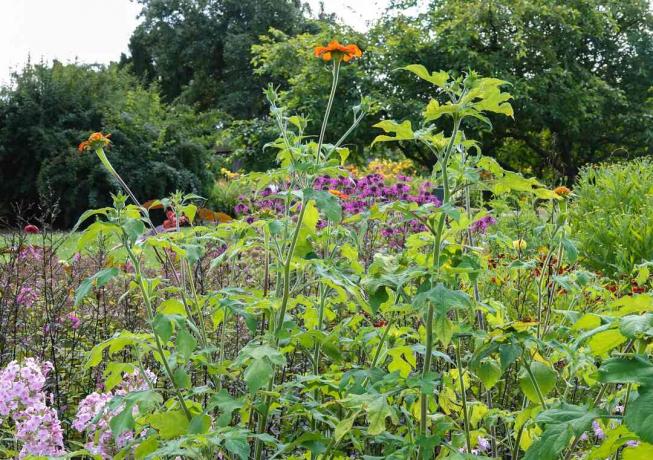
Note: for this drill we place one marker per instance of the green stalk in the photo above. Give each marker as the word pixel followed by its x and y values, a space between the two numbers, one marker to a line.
pixel 459 365
pixel 437 247
pixel 159 346
pixel 334 85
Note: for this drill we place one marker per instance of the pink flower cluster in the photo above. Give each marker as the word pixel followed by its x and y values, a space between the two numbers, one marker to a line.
pixel 27 296
pixel 93 416
pixel 23 399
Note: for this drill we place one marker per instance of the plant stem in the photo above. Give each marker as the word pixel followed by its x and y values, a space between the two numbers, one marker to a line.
pixel 437 247
pixel 159 346
pixel 325 120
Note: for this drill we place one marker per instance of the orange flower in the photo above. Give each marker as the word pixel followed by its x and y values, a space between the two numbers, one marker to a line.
pixel 94 141
pixel 335 49
pixel 339 194
pixel 562 191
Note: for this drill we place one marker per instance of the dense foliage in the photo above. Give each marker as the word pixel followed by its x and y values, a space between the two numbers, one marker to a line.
pixel 345 314
pixel 43 116
pixel 613 216
pixel 580 72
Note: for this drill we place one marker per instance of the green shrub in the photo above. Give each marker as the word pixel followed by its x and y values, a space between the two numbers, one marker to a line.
pixel 612 215
pixel 49 110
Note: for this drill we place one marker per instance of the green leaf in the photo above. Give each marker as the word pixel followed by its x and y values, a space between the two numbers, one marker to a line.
pixel 185 343
pixel 258 374
pixel 434 110
pixel 643 451
pixel 98 280
pixel 562 424
pixel 181 378
pixel 403 360
pixel 122 422
pixel 169 424
pixel 544 376
pixel 377 411
pixel 239 446
pixel 636 326
pixel 327 203
pixel 639 416
pixel 162 326
pixel 172 307
pixel 403 131
pixel 442 298
pixel 145 448
pixel 344 426
pixel 223 401
pixel 134 228
pixel 489 372
pixel 199 424
pixel 602 342
pixel 437 78
pixel 626 370
pixel 443 328
pixel 377 298
pixel 615 438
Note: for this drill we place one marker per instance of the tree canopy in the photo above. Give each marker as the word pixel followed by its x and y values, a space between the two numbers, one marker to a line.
pixel 580 71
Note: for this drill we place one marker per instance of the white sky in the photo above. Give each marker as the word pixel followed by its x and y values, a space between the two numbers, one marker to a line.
pixel 97 31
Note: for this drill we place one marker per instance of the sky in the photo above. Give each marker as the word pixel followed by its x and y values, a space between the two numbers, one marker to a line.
pixel 97 31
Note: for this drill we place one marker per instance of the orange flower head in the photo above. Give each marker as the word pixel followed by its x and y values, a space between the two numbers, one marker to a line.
pixel 339 194
pixel 562 191
pixel 336 50
pixel 94 141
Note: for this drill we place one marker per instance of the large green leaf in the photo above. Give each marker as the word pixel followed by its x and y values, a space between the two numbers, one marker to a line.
pixel 437 78
pixel 639 415
pixel 403 131
pixel 637 369
pixel 325 202
pixel 635 326
pixel 98 280
pixel 562 424
pixel 258 374
pixel 170 424
pixel 544 376
pixel 443 298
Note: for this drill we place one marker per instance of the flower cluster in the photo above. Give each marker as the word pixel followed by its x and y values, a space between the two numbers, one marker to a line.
pixel 336 50
pixel 94 141
pixel 93 416
pixel 356 195
pixel 389 168
pixel 23 399
pixel 482 224
pixel 27 296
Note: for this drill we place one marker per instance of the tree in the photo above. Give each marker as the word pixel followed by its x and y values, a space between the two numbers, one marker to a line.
pixel 199 50
pixel 581 72
pixel 49 110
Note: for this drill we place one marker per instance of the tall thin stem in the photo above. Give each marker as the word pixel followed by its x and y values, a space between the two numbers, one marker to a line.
pixel 325 120
pixel 437 247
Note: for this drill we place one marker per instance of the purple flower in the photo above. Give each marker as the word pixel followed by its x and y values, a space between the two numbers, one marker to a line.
pixel 482 224
pixel 598 431
pixel 241 208
pixel 27 296
pixel 75 322
pixel 483 444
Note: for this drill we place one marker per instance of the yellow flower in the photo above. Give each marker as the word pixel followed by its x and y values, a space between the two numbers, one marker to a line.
pixel 519 245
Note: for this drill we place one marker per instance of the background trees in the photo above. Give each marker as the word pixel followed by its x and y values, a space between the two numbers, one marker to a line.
pixel 192 85
pixel 50 109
